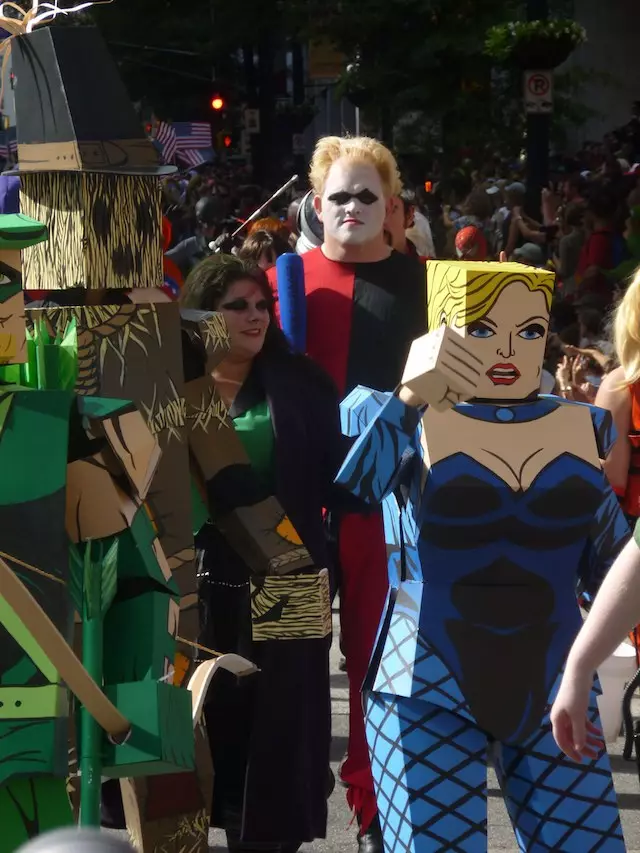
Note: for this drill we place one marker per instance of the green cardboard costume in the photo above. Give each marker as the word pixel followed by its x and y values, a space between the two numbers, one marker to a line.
pixel 63 457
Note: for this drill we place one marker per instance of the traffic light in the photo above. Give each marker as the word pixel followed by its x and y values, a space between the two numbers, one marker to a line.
pixel 225 139
pixel 218 103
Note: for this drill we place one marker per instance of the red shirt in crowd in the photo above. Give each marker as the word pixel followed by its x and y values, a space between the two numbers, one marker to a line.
pixel 598 251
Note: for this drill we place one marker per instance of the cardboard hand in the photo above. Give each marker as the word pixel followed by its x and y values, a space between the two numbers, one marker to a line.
pixel 440 371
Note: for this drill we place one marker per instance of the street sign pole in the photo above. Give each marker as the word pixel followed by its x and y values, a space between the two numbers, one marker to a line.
pixel 538 127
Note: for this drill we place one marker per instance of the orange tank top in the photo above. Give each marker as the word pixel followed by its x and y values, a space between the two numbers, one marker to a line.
pixel 632 495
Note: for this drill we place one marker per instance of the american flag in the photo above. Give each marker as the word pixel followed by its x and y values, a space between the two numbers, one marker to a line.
pixel 166 142
pixel 193 135
pixel 8 143
pixel 192 157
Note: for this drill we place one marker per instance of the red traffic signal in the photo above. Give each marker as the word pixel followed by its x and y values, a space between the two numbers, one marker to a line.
pixel 228 141
pixel 217 103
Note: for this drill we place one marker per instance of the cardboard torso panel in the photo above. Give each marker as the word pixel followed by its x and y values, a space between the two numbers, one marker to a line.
pixel 511 510
pixel 34 437
pixel 134 353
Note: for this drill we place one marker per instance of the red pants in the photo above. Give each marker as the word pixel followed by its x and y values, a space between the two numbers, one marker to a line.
pixel 363 593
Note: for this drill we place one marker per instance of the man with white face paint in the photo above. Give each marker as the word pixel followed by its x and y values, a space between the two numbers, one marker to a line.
pixel 353 208
pixel 365 304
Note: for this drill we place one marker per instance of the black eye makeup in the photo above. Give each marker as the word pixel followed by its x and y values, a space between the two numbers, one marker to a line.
pixel 244 305
pixel 344 197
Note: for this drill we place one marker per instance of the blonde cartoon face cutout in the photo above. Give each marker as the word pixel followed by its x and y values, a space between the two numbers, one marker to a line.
pixel 502 312
pixel 509 342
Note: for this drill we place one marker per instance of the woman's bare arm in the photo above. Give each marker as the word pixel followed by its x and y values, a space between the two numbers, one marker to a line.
pixel 616 397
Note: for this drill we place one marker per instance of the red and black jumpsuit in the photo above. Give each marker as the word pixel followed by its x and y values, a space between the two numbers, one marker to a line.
pixel 361 321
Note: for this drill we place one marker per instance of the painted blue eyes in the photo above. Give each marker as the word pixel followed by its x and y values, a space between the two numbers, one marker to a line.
pixel 479 330
pixel 532 333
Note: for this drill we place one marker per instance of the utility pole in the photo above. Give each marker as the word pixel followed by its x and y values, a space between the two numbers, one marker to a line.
pixel 538 132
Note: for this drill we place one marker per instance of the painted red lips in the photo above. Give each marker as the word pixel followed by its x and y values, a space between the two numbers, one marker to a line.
pixel 503 374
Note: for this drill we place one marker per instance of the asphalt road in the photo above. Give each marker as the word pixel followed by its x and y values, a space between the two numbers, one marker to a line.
pixel 341 837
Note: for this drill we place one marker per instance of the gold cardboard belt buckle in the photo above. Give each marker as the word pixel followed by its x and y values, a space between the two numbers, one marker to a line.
pixel 291 607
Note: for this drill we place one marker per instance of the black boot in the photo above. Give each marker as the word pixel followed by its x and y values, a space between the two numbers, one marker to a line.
pixel 111 808
pixel 371 840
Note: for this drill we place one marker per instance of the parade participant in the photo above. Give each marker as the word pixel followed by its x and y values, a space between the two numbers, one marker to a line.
pixel 505 511
pixel 399 221
pixel 471 244
pixel 264 247
pixel 364 304
pixel 210 213
pixel 98 414
pixel 173 278
pixel 272 730
pixel 615 610
pixel 620 393
pixel 309 227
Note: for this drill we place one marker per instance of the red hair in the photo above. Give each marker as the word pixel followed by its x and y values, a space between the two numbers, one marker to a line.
pixel 271 224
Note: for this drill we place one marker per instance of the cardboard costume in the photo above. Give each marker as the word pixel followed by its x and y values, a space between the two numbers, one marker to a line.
pixel 265 595
pixel 76 536
pixel 95 422
pixel 500 510
pixel 360 320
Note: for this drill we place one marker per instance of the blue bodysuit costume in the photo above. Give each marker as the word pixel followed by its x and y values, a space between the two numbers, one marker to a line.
pixel 482 611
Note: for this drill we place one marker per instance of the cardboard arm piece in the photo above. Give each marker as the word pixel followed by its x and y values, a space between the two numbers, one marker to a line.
pixel 61 654
pixel 201 678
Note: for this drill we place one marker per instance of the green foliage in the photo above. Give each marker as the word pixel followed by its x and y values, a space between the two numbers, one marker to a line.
pixel 427 57
pixel 569 108
pixel 503 39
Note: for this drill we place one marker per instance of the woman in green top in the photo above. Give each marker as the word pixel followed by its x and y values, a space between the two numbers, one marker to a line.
pixel 269 733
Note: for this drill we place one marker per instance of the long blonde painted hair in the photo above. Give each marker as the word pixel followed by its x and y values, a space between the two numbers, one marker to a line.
pixel 360 148
pixel 461 293
pixel 626 331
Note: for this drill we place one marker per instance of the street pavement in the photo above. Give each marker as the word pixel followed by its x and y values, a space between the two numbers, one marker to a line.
pixel 341 836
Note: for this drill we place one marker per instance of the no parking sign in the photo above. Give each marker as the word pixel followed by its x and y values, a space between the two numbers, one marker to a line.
pixel 538 91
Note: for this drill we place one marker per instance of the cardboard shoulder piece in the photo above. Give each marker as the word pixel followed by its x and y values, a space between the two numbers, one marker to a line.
pixel 131 352
pixel 88 172
pixel 253 523
pixel 207 334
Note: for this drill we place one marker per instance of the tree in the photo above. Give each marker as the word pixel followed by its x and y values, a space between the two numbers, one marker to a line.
pixel 411 55
pixel 165 53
